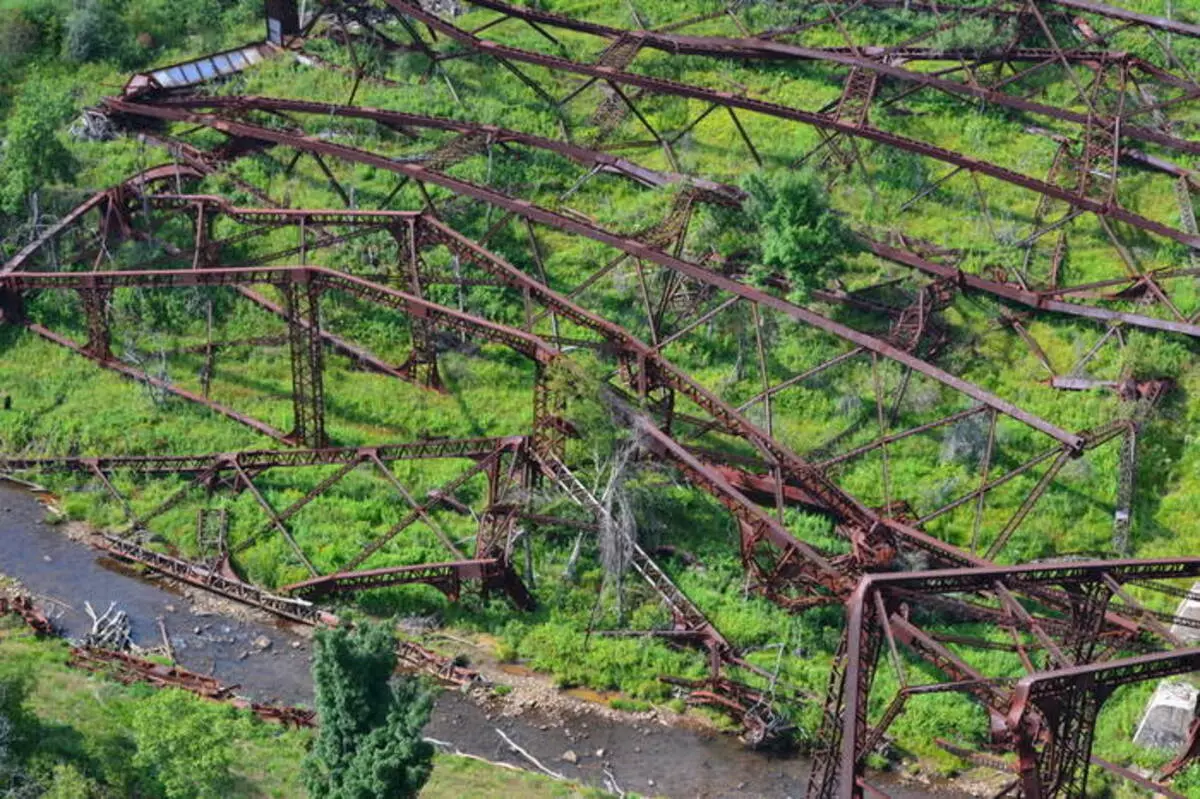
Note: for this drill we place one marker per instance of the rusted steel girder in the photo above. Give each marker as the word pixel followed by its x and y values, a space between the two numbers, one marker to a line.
pixel 316 278
pixel 447 577
pixel 1014 7
pixel 815 119
pixel 522 342
pixel 491 134
pixel 303 314
pixel 21 605
pixel 1014 293
pixel 128 669
pixel 845 732
pixel 213 580
pixel 327 279
pixel 258 460
pixel 641 358
pixel 1053 717
pixel 755 48
pixel 100 200
pixel 646 366
pixel 630 246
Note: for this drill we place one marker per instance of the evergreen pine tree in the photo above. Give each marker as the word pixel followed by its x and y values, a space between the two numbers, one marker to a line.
pixel 369 743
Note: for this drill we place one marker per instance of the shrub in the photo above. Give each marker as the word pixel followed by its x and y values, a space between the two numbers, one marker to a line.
pixel 183 745
pixel 799 235
pixel 94 32
pixel 33 154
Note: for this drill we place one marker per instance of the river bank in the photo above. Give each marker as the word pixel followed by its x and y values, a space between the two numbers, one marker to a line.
pixel 647 753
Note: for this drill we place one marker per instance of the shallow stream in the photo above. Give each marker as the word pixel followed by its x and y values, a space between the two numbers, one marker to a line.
pixel 270 663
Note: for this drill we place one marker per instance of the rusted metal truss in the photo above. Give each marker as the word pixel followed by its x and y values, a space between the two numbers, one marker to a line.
pixel 798 562
pixel 21 605
pixel 239 470
pixel 1053 741
pixel 491 574
pixel 129 669
pixel 830 124
pixel 645 370
pixel 1103 122
pixel 1065 623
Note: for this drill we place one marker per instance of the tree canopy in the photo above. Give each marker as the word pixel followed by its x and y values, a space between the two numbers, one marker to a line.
pixel 32 154
pixel 369 744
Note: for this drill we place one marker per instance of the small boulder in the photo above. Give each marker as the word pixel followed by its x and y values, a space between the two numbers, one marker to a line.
pixel 570 757
pixel 261 643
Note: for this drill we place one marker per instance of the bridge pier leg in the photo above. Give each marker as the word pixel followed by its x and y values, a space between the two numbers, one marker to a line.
pixel 422 365
pixel 302 305
pixel 95 308
pixel 549 427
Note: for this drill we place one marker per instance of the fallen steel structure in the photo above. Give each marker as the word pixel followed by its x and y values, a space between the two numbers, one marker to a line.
pixel 1052 739
pixel 1072 625
pixel 128 669
pixel 1084 175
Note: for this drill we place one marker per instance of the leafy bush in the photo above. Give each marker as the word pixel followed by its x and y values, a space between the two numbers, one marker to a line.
pixel 33 155
pixel 786 228
pixel 95 31
pixel 183 745
pixel 799 235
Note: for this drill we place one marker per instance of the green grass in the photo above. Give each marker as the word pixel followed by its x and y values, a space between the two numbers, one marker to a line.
pixel 81 716
pixel 62 404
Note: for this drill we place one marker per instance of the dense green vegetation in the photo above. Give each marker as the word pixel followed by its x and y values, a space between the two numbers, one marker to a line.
pixel 56 59
pixel 369 743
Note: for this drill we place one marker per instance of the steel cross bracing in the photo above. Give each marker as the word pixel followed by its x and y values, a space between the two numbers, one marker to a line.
pixel 1150 279
pixel 860 60
pixel 638 356
pixel 715 192
pixel 631 247
pixel 829 124
pixel 235 467
pixel 904 256
pixel 809 572
pixel 879 615
pixel 758 718
pixel 369 216
pixel 522 208
pixel 663 443
pixel 1078 200
pixel 301 216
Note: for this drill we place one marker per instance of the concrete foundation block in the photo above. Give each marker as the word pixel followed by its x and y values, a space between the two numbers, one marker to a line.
pixel 1168 716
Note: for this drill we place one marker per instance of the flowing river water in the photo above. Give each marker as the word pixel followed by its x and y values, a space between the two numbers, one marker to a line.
pixel 270 663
